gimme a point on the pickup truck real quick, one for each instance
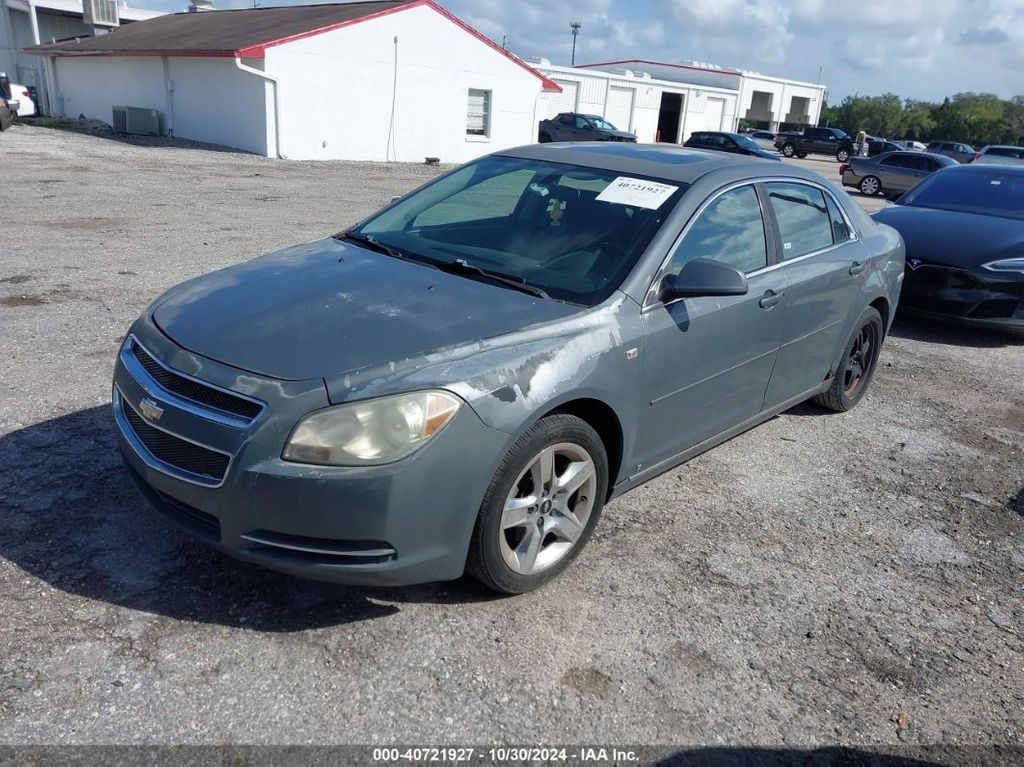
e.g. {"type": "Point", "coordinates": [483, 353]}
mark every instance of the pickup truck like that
{"type": "Point", "coordinates": [569, 126]}
{"type": "Point", "coordinates": [830, 141]}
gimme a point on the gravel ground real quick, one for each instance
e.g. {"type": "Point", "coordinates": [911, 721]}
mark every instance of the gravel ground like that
{"type": "Point", "coordinates": [824, 578]}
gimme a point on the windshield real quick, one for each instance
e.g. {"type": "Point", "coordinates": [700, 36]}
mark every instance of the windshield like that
{"type": "Point", "coordinates": [993, 193]}
{"type": "Point", "coordinates": [567, 230]}
{"type": "Point", "coordinates": [601, 124]}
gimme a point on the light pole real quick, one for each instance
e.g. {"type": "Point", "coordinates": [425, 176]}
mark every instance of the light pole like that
{"type": "Point", "coordinates": [575, 26]}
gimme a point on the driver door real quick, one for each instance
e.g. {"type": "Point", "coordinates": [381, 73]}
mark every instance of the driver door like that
{"type": "Point", "coordinates": [708, 360]}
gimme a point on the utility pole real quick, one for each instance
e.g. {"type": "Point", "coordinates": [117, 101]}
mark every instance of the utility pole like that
{"type": "Point", "coordinates": [575, 26]}
{"type": "Point", "coordinates": [504, 39]}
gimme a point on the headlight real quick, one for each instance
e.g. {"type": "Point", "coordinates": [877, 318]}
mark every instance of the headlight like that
{"type": "Point", "coordinates": [1006, 265]}
{"type": "Point", "coordinates": [370, 432]}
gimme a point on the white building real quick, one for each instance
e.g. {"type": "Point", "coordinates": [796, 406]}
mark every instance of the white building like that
{"type": "Point", "coordinates": [395, 80]}
{"type": "Point", "coordinates": [53, 20]}
{"type": "Point", "coordinates": [667, 102]}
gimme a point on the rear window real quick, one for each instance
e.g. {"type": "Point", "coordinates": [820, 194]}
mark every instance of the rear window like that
{"type": "Point", "coordinates": [991, 193]}
{"type": "Point", "coordinates": [1006, 151]}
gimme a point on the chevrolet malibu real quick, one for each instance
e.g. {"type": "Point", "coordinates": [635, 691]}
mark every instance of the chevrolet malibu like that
{"type": "Point", "coordinates": [462, 381]}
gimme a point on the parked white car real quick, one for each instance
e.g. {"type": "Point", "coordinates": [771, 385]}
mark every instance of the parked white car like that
{"type": "Point", "coordinates": [1001, 154]}
{"type": "Point", "coordinates": [21, 101]}
{"type": "Point", "coordinates": [915, 146]}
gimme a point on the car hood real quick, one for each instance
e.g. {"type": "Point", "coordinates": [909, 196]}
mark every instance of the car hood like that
{"type": "Point", "coordinates": [328, 307]}
{"type": "Point", "coordinates": [619, 133]}
{"type": "Point", "coordinates": [951, 238]}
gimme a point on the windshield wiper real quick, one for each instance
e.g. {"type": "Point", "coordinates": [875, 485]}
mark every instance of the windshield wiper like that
{"type": "Point", "coordinates": [461, 266]}
{"type": "Point", "coordinates": [371, 242]}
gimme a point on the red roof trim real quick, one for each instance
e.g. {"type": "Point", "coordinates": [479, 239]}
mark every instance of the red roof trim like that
{"type": "Point", "coordinates": [723, 71]}
{"type": "Point", "coordinates": [259, 51]}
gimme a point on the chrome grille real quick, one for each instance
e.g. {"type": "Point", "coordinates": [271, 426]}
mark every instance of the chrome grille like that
{"type": "Point", "coordinates": [202, 462]}
{"type": "Point", "coordinates": [193, 390]}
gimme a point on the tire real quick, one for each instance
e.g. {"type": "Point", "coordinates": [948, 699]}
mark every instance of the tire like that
{"type": "Point", "coordinates": [499, 539]}
{"type": "Point", "coordinates": [788, 150]}
{"type": "Point", "coordinates": [843, 155]}
{"type": "Point", "coordinates": [870, 186]}
{"type": "Point", "coordinates": [544, 138]}
{"type": "Point", "coordinates": [801, 155]}
{"type": "Point", "coordinates": [845, 390]}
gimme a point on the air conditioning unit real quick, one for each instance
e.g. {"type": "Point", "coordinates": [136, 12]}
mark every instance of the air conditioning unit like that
{"type": "Point", "coordinates": [137, 120]}
{"type": "Point", "coordinates": [101, 13]}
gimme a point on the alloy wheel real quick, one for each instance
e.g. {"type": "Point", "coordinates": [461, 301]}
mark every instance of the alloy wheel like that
{"type": "Point", "coordinates": [842, 155]}
{"type": "Point", "coordinates": [860, 359]}
{"type": "Point", "coordinates": [869, 186]}
{"type": "Point", "coordinates": [548, 507]}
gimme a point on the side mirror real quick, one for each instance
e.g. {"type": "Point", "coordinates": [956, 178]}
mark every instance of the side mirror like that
{"type": "Point", "coordinates": [703, 277]}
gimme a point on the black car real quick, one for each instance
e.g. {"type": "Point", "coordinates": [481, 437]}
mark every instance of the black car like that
{"type": "Point", "coordinates": [964, 231]}
{"type": "Point", "coordinates": [735, 143]}
{"type": "Point", "coordinates": [830, 141]}
{"type": "Point", "coordinates": [570, 126]}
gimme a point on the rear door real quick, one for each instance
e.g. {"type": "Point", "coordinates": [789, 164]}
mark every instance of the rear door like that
{"type": "Point", "coordinates": [708, 360]}
{"type": "Point", "coordinates": [900, 172]}
{"type": "Point", "coordinates": [824, 268]}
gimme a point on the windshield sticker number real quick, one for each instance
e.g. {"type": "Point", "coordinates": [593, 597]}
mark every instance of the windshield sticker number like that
{"type": "Point", "coordinates": [637, 192]}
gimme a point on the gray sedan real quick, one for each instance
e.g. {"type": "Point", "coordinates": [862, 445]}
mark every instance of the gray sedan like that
{"type": "Point", "coordinates": [465, 379]}
{"type": "Point", "coordinates": [891, 172]}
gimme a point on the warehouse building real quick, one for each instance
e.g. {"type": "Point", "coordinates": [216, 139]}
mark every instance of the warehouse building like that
{"type": "Point", "coordinates": [667, 102]}
{"type": "Point", "coordinates": [396, 80]}
{"type": "Point", "coordinates": [24, 23]}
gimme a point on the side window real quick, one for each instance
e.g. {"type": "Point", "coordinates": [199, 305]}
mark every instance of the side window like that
{"type": "Point", "coordinates": [897, 161]}
{"type": "Point", "coordinates": [840, 230]}
{"type": "Point", "coordinates": [565, 119]}
{"type": "Point", "coordinates": [803, 218]}
{"type": "Point", "coordinates": [729, 230]}
{"type": "Point", "coordinates": [581, 123]}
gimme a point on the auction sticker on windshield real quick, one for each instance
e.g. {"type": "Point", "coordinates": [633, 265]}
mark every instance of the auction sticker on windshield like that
{"type": "Point", "coordinates": [637, 192]}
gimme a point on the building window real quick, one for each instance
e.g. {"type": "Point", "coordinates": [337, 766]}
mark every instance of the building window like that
{"type": "Point", "coordinates": [478, 115]}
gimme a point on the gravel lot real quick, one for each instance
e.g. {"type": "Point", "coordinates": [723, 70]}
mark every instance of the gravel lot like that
{"type": "Point", "coordinates": [824, 578]}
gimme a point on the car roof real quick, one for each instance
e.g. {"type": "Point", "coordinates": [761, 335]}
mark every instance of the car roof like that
{"type": "Point", "coordinates": [669, 162]}
{"type": "Point", "coordinates": [1014, 170]}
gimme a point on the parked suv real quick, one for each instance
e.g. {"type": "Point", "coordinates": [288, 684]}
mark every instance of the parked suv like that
{"type": "Point", "coordinates": [570, 126]}
{"type": "Point", "coordinates": [830, 141]}
{"type": "Point", "coordinates": [958, 151]}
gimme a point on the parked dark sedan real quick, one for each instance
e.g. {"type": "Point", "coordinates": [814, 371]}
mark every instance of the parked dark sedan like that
{"type": "Point", "coordinates": [735, 143]}
{"type": "Point", "coordinates": [891, 172]}
{"type": "Point", "coordinates": [964, 230]}
{"type": "Point", "coordinates": [463, 380]}
{"type": "Point", "coordinates": [570, 126]}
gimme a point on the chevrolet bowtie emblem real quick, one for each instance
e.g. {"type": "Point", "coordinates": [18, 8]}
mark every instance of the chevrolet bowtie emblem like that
{"type": "Point", "coordinates": [150, 410]}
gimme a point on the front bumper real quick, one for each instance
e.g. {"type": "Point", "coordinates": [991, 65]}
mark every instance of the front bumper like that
{"type": "Point", "coordinates": [397, 524]}
{"type": "Point", "coordinates": [978, 296]}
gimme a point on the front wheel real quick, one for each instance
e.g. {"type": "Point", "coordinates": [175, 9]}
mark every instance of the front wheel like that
{"type": "Point", "coordinates": [853, 376]}
{"type": "Point", "coordinates": [801, 155]}
{"type": "Point", "coordinates": [541, 507]}
{"type": "Point", "coordinates": [843, 155]}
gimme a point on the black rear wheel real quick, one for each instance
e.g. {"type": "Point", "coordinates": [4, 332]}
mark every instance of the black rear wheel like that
{"type": "Point", "coordinates": [857, 367]}
{"type": "Point", "coordinates": [843, 155]}
{"type": "Point", "coordinates": [545, 138]}
{"type": "Point", "coordinates": [788, 150]}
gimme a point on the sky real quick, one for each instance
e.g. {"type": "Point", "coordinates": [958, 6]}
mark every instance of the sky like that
{"type": "Point", "coordinates": [921, 49]}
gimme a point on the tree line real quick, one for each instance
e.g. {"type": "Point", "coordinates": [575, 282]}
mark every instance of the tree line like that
{"type": "Point", "coordinates": [974, 118]}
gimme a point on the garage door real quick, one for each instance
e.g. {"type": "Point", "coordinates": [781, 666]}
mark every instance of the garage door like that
{"type": "Point", "coordinates": [564, 101]}
{"type": "Point", "coordinates": [620, 107]}
{"type": "Point", "coordinates": [709, 119]}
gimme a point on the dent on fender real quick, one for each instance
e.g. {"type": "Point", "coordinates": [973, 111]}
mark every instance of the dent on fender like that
{"type": "Point", "coordinates": [505, 379]}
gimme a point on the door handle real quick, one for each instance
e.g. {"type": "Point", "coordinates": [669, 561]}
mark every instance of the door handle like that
{"type": "Point", "coordinates": [770, 299]}
{"type": "Point", "coordinates": [856, 268]}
